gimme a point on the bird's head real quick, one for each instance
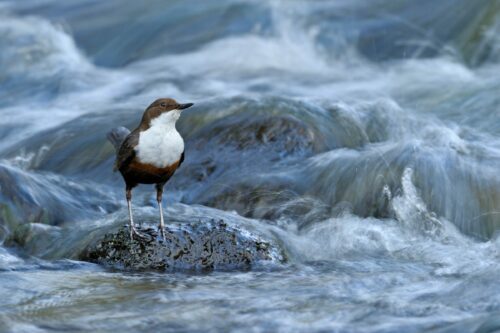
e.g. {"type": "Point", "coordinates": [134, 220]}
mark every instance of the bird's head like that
{"type": "Point", "coordinates": [163, 111]}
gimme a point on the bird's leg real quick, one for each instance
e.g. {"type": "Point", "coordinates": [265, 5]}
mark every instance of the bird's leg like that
{"type": "Point", "coordinates": [159, 193]}
{"type": "Point", "coordinates": [133, 231]}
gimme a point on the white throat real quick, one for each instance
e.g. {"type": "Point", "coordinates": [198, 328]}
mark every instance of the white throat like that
{"type": "Point", "coordinates": [161, 145]}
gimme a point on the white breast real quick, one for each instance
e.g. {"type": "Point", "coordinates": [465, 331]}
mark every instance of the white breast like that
{"type": "Point", "coordinates": [160, 145]}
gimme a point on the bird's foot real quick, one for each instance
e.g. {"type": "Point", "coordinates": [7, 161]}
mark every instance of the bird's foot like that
{"type": "Point", "coordinates": [161, 231]}
{"type": "Point", "coordinates": [137, 234]}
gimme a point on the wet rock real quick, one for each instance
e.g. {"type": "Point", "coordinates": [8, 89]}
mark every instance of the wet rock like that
{"type": "Point", "coordinates": [198, 238]}
{"type": "Point", "coordinates": [206, 246]}
{"type": "Point", "coordinates": [282, 134]}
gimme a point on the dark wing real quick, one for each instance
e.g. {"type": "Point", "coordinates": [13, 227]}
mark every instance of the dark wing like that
{"type": "Point", "coordinates": [126, 153]}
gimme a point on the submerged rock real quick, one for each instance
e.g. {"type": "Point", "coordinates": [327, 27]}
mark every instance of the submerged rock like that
{"type": "Point", "coordinates": [28, 196]}
{"type": "Point", "coordinates": [207, 246]}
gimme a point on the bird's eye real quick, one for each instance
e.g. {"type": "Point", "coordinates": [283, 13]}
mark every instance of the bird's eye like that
{"type": "Point", "coordinates": [163, 105]}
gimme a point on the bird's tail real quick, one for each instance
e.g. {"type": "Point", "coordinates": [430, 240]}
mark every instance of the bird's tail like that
{"type": "Point", "coordinates": [117, 135]}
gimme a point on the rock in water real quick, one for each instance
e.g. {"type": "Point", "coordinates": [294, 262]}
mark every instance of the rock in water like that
{"type": "Point", "coordinates": [206, 246]}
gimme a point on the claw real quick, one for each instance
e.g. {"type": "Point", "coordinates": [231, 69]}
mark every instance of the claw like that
{"type": "Point", "coordinates": [161, 230]}
{"type": "Point", "coordinates": [139, 235]}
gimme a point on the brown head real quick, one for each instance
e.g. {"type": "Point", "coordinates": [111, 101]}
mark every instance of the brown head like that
{"type": "Point", "coordinates": [165, 110]}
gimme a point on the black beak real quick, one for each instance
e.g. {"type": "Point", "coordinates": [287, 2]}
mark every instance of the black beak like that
{"type": "Point", "coordinates": [185, 106]}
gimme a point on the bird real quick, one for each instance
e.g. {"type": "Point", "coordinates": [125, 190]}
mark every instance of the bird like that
{"type": "Point", "coordinates": [151, 153]}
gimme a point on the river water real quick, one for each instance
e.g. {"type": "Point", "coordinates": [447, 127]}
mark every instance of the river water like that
{"type": "Point", "coordinates": [361, 137]}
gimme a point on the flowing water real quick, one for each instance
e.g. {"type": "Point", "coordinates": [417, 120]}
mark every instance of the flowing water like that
{"type": "Point", "coordinates": [362, 137]}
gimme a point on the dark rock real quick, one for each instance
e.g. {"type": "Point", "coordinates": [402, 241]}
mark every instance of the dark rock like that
{"type": "Point", "coordinates": [206, 246]}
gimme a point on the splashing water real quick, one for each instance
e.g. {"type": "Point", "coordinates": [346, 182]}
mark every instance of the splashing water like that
{"type": "Point", "coordinates": [360, 138]}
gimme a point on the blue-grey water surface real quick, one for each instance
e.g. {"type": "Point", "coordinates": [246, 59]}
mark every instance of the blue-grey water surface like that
{"type": "Point", "coordinates": [362, 137]}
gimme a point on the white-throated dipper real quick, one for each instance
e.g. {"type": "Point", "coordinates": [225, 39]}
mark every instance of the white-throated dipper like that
{"type": "Point", "coordinates": [151, 153]}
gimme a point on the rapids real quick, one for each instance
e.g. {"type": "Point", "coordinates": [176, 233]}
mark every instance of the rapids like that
{"type": "Point", "coordinates": [362, 138]}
